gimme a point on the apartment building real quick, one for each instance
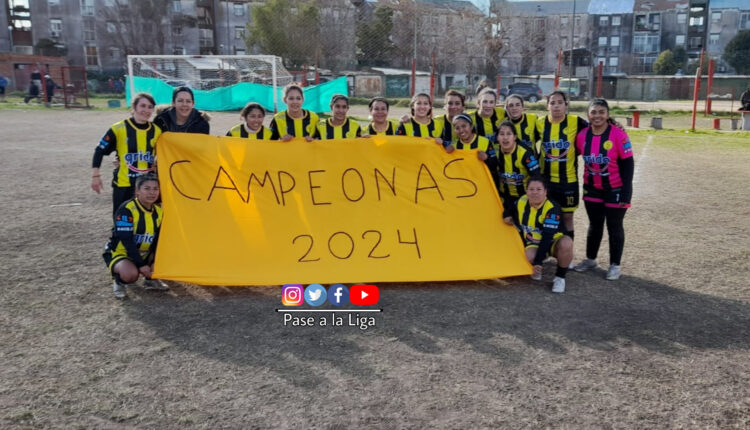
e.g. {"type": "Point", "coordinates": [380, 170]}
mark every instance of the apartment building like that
{"type": "Point", "coordinates": [612, 35]}
{"type": "Point", "coordinates": [726, 19]}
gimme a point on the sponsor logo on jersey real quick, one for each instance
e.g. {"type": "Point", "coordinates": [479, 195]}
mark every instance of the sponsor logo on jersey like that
{"type": "Point", "coordinates": [512, 178]}
{"type": "Point", "coordinates": [596, 159]}
{"type": "Point", "coordinates": [562, 145]}
{"type": "Point", "coordinates": [133, 158]}
{"type": "Point", "coordinates": [144, 238]}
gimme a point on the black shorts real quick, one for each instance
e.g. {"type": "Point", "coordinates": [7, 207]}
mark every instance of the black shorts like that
{"type": "Point", "coordinates": [611, 198]}
{"type": "Point", "coordinates": [111, 260]}
{"type": "Point", "coordinates": [565, 195]}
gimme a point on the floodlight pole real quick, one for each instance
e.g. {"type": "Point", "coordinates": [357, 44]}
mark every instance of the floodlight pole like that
{"type": "Point", "coordinates": [572, 35]}
{"type": "Point", "coordinates": [696, 90]}
{"type": "Point", "coordinates": [132, 78]}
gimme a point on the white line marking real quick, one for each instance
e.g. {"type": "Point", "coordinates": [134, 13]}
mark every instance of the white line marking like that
{"type": "Point", "coordinates": [642, 157]}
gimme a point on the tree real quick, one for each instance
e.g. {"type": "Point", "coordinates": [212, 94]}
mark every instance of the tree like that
{"type": "Point", "coordinates": [665, 64]}
{"type": "Point", "coordinates": [288, 30]}
{"type": "Point", "coordinates": [737, 52]}
{"type": "Point", "coordinates": [374, 45]}
{"type": "Point", "coordinates": [50, 48]}
{"type": "Point", "coordinates": [680, 57]}
{"type": "Point", "coordinates": [137, 27]}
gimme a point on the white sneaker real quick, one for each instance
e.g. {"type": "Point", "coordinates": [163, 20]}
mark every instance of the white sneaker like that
{"type": "Point", "coordinates": [558, 285]}
{"type": "Point", "coordinates": [585, 265]}
{"type": "Point", "coordinates": [535, 277]}
{"type": "Point", "coordinates": [613, 273]}
{"type": "Point", "coordinates": [154, 285]}
{"type": "Point", "coordinates": [571, 266]}
{"type": "Point", "coordinates": [119, 290]}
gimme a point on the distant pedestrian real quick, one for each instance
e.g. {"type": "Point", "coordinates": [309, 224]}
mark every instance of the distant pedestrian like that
{"type": "Point", "coordinates": [745, 99]}
{"type": "Point", "coordinates": [3, 84]}
{"type": "Point", "coordinates": [50, 87]}
{"type": "Point", "coordinates": [33, 92]}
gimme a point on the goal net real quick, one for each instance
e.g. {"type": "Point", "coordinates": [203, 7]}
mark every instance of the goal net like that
{"type": "Point", "coordinates": [220, 82]}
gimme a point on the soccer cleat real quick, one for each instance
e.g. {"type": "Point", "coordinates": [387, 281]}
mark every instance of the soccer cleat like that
{"type": "Point", "coordinates": [558, 285]}
{"type": "Point", "coordinates": [154, 285]}
{"type": "Point", "coordinates": [613, 273]}
{"type": "Point", "coordinates": [585, 265]}
{"type": "Point", "coordinates": [119, 290]}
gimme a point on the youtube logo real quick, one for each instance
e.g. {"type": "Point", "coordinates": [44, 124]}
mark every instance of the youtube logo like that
{"type": "Point", "coordinates": [364, 295]}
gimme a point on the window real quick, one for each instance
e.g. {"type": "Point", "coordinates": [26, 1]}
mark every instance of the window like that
{"type": "Point", "coordinates": [614, 41]}
{"type": "Point", "coordinates": [239, 9]}
{"type": "Point", "coordinates": [53, 2]}
{"type": "Point", "coordinates": [177, 30]}
{"type": "Point", "coordinates": [114, 53]}
{"type": "Point", "coordinates": [55, 27]}
{"type": "Point", "coordinates": [745, 21]}
{"type": "Point", "coordinates": [178, 50]}
{"type": "Point", "coordinates": [92, 58]}
{"type": "Point", "coordinates": [679, 39]}
{"type": "Point", "coordinates": [645, 43]}
{"type": "Point", "coordinates": [539, 25]}
{"type": "Point", "coordinates": [89, 30]}
{"type": "Point", "coordinates": [239, 52]}
{"type": "Point", "coordinates": [564, 42]}
{"type": "Point", "coordinates": [205, 37]}
{"type": "Point", "coordinates": [603, 21]}
{"type": "Point", "coordinates": [654, 21]}
{"type": "Point", "coordinates": [564, 20]}
{"type": "Point", "coordinates": [641, 23]}
{"type": "Point", "coordinates": [177, 6]}
{"type": "Point", "coordinates": [713, 39]}
{"type": "Point", "coordinates": [111, 27]}
{"type": "Point", "coordinates": [715, 16]}
{"type": "Point", "coordinates": [681, 18]}
{"type": "Point", "coordinates": [696, 21]}
{"type": "Point", "coordinates": [239, 32]}
{"type": "Point", "coordinates": [614, 61]}
{"type": "Point", "coordinates": [615, 20]}
{"type": "Point", "coordinates": [603, 41]}
{"type": "Point", "coordinates": [87, 7]}
{"type": "Point", "coordinates": [578, 21]}
{"type": "Point", "coordinates": [695, 42]}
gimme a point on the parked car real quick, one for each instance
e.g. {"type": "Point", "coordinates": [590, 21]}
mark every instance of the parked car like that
{"type": "Point", "coordinates": [528, 91]}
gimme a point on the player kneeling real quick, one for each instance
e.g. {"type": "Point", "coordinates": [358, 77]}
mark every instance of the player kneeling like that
{"type": "Point", "coordinates": [131, 249]}
{"type": "Point", "coordinates": [540, 222]}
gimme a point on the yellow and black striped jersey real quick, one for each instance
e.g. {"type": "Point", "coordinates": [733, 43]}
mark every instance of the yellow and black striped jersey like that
{"type": "Point", "coordinates": [432, 129]}
{"type": "Point", "coordinates": [389, 131]}
{"type": "Point", "coordinates": [241, 130]}
{"type": "Point", "coordinates": [488, 126]}
{"type": "Point", "coordinates": [449, 133]}
{"type": "Point", "coordinates": [526, 132]}
{"type": "Point", "coordinates": [515, 169]}
{"type": "Point", "coordinates": [135, 145]}
{"type": "Point", "coordinates": [136, 231]}
{"type": "Point", "coordinates": [556, 150]}
{"type": "Point", "coordinates": [349, 129]}
{"type": "Point", "coordinates": [282, 124]}
{"type": "Point", "coordinates": [479, 142]}
{"type": "Point", "coordinates": [540, 228]}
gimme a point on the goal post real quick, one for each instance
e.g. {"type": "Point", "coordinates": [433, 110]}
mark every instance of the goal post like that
{"type": "Point", "coordinates": [220, 82]}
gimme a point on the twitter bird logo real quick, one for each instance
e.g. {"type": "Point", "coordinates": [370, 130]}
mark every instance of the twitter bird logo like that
{"type": "Point", "coordinates": [315, 295]}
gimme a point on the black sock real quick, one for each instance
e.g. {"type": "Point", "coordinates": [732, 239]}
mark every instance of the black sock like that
{"type": "Point", "coordinates": [572, 234]}
{"type": "Point", "coordinates": [561, 271]}
{"type": "Point", "coordinates": [118, 279]}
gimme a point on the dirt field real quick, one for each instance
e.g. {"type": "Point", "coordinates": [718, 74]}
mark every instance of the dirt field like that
{"type": "Point", "coordinates": [667, 346]}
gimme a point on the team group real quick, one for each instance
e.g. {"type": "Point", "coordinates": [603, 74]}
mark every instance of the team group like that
{"type": "Point", "coordinates": [533, 161]}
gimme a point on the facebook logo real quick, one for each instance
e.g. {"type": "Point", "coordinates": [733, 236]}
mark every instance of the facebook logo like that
{"type": "Point", "coordinates": [338, 294]}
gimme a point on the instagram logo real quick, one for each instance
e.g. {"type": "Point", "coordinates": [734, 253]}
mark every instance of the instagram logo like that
{"type": "Point", "coordinates": [292, 295]}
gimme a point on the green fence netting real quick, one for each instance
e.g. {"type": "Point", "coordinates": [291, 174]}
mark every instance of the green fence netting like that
{"type": "Point", "coordinates": [235, 97]}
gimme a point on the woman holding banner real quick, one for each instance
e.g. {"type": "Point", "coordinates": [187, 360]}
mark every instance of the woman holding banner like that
{"type": "Point", "coordinates": [295, 121]}
{"type": "Point", "coordinates": [467, 139]}
{"type": "Point", "coordinates": [539, 220]}
{"type": "Point", "coordinates": [252, 126]}
{"type": "Point", "coordinates": [339, 125]}
{"type": "Point", "coordinates": [380, 125]}
{"type": "Point", "coordinates": [421, 123]}
{"type": "Point", "coordinates": [182, 116]}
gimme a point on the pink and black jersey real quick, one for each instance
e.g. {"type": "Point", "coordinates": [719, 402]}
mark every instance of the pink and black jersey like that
{"type": "Point", "coordinates": [602, 155]}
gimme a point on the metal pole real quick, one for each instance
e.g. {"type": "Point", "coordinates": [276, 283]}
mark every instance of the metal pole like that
{"type": "Point", "coordinates": [599, 79]}
{"type": "Point", "coordinates": [131, 78]}
{"type": "Point", "coordinates": [696, 89]}
{"type": "Point", "coordinates": [275, 95]}
{"type": "Point", "coordinates": [572, 34]}
{"type": "Point", "coordinates": [414, 59]}
{"type": "Point", "coordinates": [709, 85]}
{"type": "Point", "coordinates": [559, 69]}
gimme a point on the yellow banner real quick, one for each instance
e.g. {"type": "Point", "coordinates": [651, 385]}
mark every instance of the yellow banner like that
{"type": "Point", "coordinates": [381, 209]}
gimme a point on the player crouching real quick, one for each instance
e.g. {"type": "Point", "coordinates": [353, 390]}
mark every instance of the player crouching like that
{"type": "Point", "coordinates": [131, 249]}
